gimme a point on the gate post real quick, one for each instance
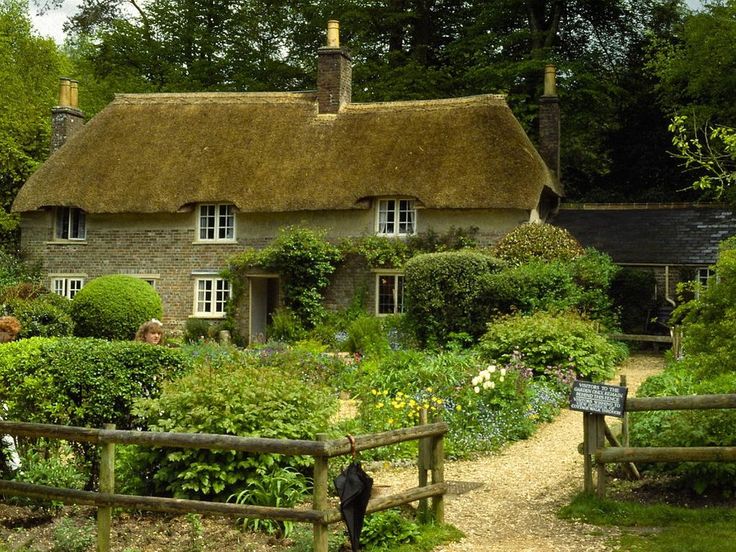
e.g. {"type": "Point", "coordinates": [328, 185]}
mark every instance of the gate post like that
{"type": "Point", "coordinates": [320, 528]}
{"type": "Point", "coordinates": [107, 486]}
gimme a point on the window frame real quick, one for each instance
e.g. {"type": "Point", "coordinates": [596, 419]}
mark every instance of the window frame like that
{"type": "Point", "coordinates": [397, 292]}
{"type": "Point", "coordinates": [65, 289]}
{"type": "Point", "coordinates": [70, 224]}
{"type": "Point", "coordinates": [213, 300]}
{"type": "Point", "coordinates": [216, 226]}
{"type": "Point", "coordinates": [403, 212]}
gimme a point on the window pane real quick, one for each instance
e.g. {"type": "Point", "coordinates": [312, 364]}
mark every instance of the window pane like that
{"type": "Point", "coordinates": [58, 285]}
{"type": "Point", "coordinates": [222, 295]}
{"type": "Point", "coordinates": [74, 287]}
{"type": "Point", "coordinates": [400, 293]}
{"type": "Point", "coordinates": [76, 224]}
{"type": "Point", "coordinates": [226, 223]}
{"type": "Point", "coordinates": [386, 216]}
{"type": "Point", "coordinates": [207, 222]}
{"type": "Point", "coordinates": [386, 304]}
{"type": "Point", "coordinates": [204, 296]}
{"type": "Point", "coordinates": [62, 223]}
{"type": "Point", "coordinates": [407, 216]}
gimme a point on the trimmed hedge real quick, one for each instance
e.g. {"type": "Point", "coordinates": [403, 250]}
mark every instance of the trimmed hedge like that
{"type": "Point", "coordinates": [81, 382]}
{"type": "Point", "coordinates": [114, 306]}
{"type": "Point", "coordinates": [536, 241]}
{"type": "Point", "coordinates": [442, 294]}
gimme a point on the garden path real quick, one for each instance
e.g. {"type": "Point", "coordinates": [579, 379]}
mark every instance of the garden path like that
{"type": "Point", "coordinates": [523, 487]}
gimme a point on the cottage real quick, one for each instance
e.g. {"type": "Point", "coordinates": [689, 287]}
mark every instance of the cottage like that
{"type": "Point", "coordinates": [678, 242]}
{"type": "Point", "coordinates": [167, 186]}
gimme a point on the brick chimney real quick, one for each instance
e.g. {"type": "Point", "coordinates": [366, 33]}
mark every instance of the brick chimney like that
{"type": "Point", "coordinates": [66, 118]}
{"type": "Point", "coordinates": [334, 73]}
{"type": "Point", "coordinates": [549, 122]}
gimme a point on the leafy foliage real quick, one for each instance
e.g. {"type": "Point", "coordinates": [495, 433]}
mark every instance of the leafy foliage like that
{"type": "Point", "coordinates": [388, 528]}
{"type": "Point", "coordinates": [81, 382]}
{"type": "Point", "coordinates": [553, 340]}
{"type": "Point", "coordinates": [442, 294]}
{"type": "Point", "coordinates": [544, 242]}
{"type": "Point", "coordinates": [304, 259]}
{"type": "Point", "coordinates": [46, 315]}
{"type": "Point", "coordinates": [229, 394]}
{"type": "Point", "coordinates": [114, 306]}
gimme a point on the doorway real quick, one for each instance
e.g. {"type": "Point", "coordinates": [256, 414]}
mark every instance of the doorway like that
{"type": "Point", "coordinates": [264, 299]}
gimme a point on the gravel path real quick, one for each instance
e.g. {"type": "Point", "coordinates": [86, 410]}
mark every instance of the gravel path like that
{"type": "Point", "coordinates": [523, 486]}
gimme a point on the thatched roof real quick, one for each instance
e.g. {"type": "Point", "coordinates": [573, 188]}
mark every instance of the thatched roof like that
{"type": "Point", "coordinates": [273, 152]}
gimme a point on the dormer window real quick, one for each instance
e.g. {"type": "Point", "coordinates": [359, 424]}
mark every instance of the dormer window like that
{"type": "Point", "coordinates": [216, 222]}
{"type": "Point", "coordinates": [396, 217]}
{"type": "Point", "coordinates": [71, 224]}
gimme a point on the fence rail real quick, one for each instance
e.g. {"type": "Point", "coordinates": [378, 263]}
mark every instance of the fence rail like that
{"type": "Point", "coordinates": [595, 432]}
{"type": "Point", "coordinates": [431, 458]}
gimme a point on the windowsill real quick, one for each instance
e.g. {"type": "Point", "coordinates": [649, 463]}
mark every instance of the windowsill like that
{"type": "Point", "coordinates": [213, 242]}
{"type": "Point", "coordinates": [208, 316]}
{"type": "Point", "coordinates": [66, 242]}
{"type": "Point", "coordinates": [378, 234]}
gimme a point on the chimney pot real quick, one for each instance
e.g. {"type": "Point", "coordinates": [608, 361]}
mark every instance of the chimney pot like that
{"type": "Point", "coordinates": [550, 80]}
{"type": "Point", "coordinates": [333, 34]}
{"type": "Point", "coordinates": [65, 86]}
{"type": "Point", "coordinates": [74, 94]}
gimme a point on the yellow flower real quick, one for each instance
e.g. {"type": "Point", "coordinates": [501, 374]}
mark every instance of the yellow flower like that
{"type": "Point", "coordinates": [390, 421]}
{"type": "Point", "coordinates": [429, 390]}
{"type": "Point", "coordinates": [412, 402]}
{"type": "Point", "coordinates": [379, 405]}
{"type": "Point", "coordinates": [374, 392]}
{"type": "Point", "coordinates": [458, 407]}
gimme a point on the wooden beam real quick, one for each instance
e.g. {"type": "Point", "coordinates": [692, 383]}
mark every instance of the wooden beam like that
{"type": "Point", "coordinates": [666, 454]}
{"type": "Point", "coordinates": [684, 402]}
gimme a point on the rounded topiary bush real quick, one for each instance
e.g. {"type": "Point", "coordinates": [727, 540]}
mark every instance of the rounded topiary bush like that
{"type": "Point", "coordinates": [442, 292]}
{"type": "Point", "coordinates": [114, 306]}
{"type": "Point", "coordinates": [537, 241]}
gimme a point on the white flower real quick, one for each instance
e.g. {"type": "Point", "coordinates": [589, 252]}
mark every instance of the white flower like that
{"type": "Point", "coordinates": [475, 380]}
{"type": "Point", "coordinates": [476, 389]}
{"type": "Point", "coordinates": [484, 374]}
{"type": "Point", "coordinates": [501, 378]}
{"type": "Point", "coordinates": [503, 371]}
{"type": "Point", "coordinates": [492, 368]}
{"type": "Point", "coordinates": [492, 384]}
{"type": "Point", "coordinates": [487, 385]}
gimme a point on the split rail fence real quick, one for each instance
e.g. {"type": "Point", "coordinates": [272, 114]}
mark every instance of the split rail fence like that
{"type": "Point", "coordinates": [596, 432]}
{"type": "Point", "coordinates": [431, 459]}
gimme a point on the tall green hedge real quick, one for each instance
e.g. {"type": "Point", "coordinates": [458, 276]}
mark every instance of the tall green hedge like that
{"type": "Point", "coordinates": [81, 382]}
{"type": "Point", "coordinates": [442, 294]}
{"type": "Point", "coordinates": [114, 306]}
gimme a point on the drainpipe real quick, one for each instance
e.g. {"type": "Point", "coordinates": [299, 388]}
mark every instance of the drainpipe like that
{"type": "Point", "coordinates": [667, 286]}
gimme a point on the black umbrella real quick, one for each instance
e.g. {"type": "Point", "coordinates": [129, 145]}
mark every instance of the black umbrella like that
{"type": "Point", "coordinates": [354, 489]}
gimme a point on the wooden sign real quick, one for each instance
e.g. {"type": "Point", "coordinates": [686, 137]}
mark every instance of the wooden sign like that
{"type": "Point", "coordinates": [598, 398]}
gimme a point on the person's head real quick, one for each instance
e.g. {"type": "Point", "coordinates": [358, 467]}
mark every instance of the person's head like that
{"type": "Point", "coordinates": [150, 332]}
{"type": "Point", "coordinates": [9, 328]}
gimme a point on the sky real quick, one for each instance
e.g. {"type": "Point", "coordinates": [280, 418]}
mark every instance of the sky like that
{"type": "Point", "coordinates": [51, 22]}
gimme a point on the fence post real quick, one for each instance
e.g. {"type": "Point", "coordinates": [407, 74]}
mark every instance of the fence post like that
{"type": "Point", "coordinates": [600, 442]}
{"type": "Point", "coordinates": [320, 528]}
{"type": "Point", "coordinates": [423, 464]}
{"type": "Point", "coordinates": [625, 419]}
{"type": "Point", "coordinates": [107, 486]}
{"type": "Point", "coordinates": [587, 463]}
{"type": "Point", "coordinates": [438, 476]}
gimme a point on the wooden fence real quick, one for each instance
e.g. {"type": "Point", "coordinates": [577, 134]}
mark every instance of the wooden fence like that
{"type": "Point", "coordinates": [431, 458]}
{"type": "Point", "coordinates": [596, 432]}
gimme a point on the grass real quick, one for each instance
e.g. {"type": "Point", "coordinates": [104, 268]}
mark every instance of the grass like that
{"type": "Point", "coordinates": [658, 527]}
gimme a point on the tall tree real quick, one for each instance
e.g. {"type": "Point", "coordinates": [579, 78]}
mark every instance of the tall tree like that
{"type": "Point", "coordinates": [30, 67]}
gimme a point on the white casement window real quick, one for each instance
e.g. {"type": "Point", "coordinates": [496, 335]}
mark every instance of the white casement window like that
{"type": "Point", "coordinates": [67, 287]}
{"type": "Point", "coordinates": [216, 222]}
{"type": "Point", "coordinates": [396, 217]}
{"type": "Point", "coordinates": [389, 293]}
{"type": "Point", "coordinates": [71, 224]}
{"type": "Point", "coordinates": [210, 297]}
{"type": "Point", "coordinates": [703, 277]}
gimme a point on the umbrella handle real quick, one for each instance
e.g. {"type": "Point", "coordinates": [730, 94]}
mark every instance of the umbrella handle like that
{"type": "Point", "coordinates": [352, 445]}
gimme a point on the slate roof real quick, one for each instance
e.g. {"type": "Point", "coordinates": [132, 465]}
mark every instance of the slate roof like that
{"type": "Point", "coordinates": [651, 234]}
{"type": "Point", "coordinates": [273, 152]}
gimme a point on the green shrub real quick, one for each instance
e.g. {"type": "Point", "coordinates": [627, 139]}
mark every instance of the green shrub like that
{"type": "Point", "coordinates": [545, 242]}
{"type": "Point", "coordinates": [442, 294]}
{"type": "Point", "coordinates": [230, 395]}
{"type": "Point", "coordinates": [689, 428]}
{"type": "Point", "coordinates": [367, 336]}
{"type": "Point", "coordinates": [43, 316]}
{"type": "Point", "coordinates": [69, 536]}
{"type": "Point", "coordinates": [387, 529]}
{"type": "Point", "coordinates": [14, 271]}
{"type": "Point", "coordinates": [633, 294]}
{"type": "Point", "coordinates": [114, 306]}
{"type": "Point", "coordinates": [564, 340]}
{"type": "Point", "coordinates": [285, 326]}
{"type": "Point", "coordinates": [81, 382]}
